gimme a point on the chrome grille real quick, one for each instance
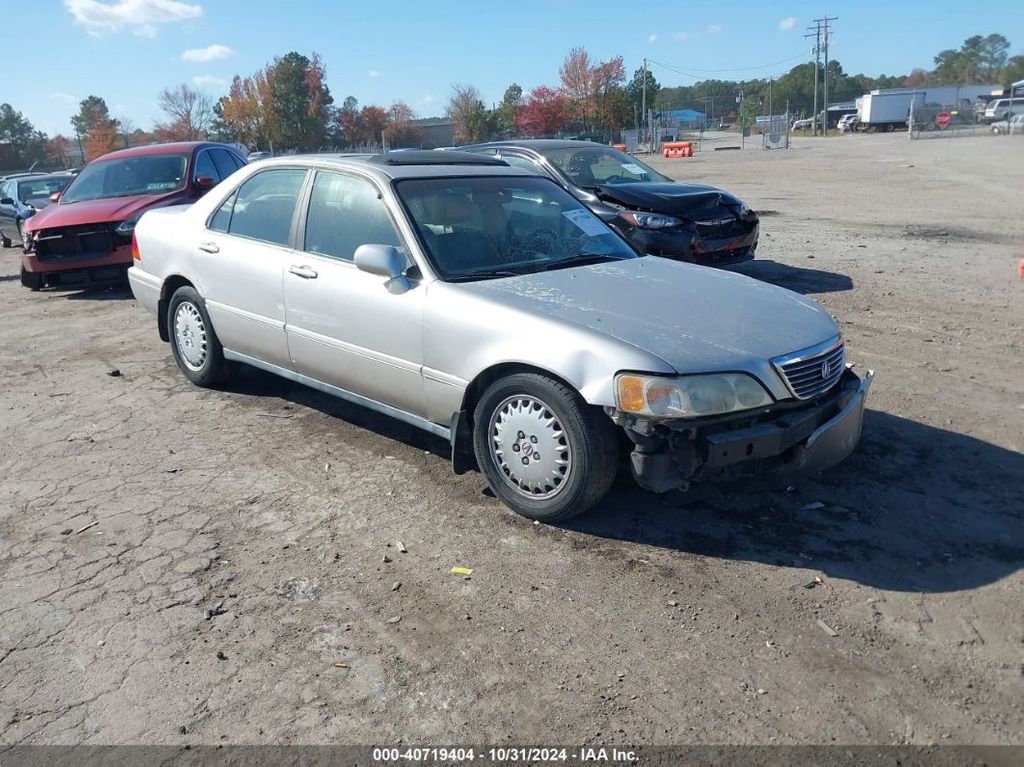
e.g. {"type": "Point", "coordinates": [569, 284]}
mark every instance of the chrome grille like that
{"type": "Point", "coordinates": [813, 371]}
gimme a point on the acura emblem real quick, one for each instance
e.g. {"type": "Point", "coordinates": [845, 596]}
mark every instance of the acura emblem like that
{"type": "Point", "coordinates": [824, 369]}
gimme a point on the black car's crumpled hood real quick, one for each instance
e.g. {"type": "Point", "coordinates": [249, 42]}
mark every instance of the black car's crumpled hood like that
{"type": "Point", "coordinates": [672, 198]}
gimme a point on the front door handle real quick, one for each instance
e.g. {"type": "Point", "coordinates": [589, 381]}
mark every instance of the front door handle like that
{"type": "Point", "coordinates": [305, 272]}
{"type": "Point", "coordinates": [209, 247]}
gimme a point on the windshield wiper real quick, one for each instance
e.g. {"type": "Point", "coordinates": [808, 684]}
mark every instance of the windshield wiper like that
{"type": "Point", "coordinates": [481, 275]}
{"type": "Point", "coordinates": [582, 259]}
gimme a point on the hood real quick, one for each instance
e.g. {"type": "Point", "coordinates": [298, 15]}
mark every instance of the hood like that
{"type": "Point", "coordinates": [672, 198]}
{"type": "Point", "coordinates": [98, 211]}
{"type": "Point", "coordinates": [695, 318]}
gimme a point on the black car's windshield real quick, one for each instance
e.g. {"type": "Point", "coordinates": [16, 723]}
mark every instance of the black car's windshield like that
{"type": "Point", "coordinates": [41, 188]}
{"type": "Point", "coordinates": [486, 227]}
{"type": "Point", "coordinates": [126, 176]}
{"type": "Point", "coordinates": [592, 166]}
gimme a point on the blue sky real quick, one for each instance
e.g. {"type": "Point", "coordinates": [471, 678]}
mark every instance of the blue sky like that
{"type": "Point", "coordinates": [127, 50]}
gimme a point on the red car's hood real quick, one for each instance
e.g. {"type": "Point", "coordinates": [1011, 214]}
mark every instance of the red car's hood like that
{"type": "Point", "coordinates": [98, 211]}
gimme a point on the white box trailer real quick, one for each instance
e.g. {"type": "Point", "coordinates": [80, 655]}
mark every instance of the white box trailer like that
{"type": "Point", "coordinates": [887, 110]}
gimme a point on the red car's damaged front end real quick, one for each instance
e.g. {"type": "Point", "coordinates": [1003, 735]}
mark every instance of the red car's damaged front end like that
{"type": "Point", "coordinates": [85, 239]}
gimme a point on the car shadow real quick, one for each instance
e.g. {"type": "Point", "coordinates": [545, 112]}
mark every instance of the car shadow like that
{"type": "Point", "coordinates": [915, 508]}
{"type": "Point", "coordinates": [795, 278]}
{"type": "Point", "coordinates": [99, 293]}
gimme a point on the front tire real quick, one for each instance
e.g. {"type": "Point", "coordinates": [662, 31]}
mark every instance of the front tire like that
{"type": "Point", "coordinates": [545, 453]}
{"type": "Point", "coordinates": [194, 343]}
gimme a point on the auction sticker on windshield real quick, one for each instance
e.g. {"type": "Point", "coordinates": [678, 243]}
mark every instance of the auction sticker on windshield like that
{"type": "Point", "coordinates": [633, 168]}
{"type": "Point", "coordinates": [586, 221]}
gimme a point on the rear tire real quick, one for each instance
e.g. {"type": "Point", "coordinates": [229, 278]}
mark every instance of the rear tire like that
{"type": "Point", "coordinates": [31, 280]}
{"type": "Point", "coordinates": [194, 344]}
{"type": "Point", "coordinates": [5, 241]}
{"type": "Point", "coordinates": [545, 453]}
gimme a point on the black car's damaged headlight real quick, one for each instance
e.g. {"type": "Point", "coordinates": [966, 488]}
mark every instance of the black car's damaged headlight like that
{"type": "Point", "coordinates": [649, 220]}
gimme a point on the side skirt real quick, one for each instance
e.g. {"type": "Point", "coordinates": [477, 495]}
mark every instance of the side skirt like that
{"type": "Point", "coordinates": [356, 399]}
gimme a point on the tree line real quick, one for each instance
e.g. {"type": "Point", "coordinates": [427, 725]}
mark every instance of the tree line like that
{"type": "Point", "coordinates": [287, 106]}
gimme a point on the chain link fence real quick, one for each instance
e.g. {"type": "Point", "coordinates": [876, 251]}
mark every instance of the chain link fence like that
{"type": "Point", "coordinates": [956, 121]}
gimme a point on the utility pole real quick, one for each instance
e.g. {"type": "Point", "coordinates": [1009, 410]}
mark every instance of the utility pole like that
{"type": "Point", "coordinates": [816, 34]}
{"type": "Point", "coordinates": [823, 29]}
{"type": "Point", "coordinates": [643, 104]}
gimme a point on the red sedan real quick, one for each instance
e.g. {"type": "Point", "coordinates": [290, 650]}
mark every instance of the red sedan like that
{"type": "Point", "coordinates": [85, 239]}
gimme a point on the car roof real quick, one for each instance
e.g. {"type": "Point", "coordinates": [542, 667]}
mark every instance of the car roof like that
{"type": "Point", "coordinates": [177, 147]}
{"type": "Point", "coordinates": [537, 144]}
{"type": "Point", "coordinates": [399, 165]}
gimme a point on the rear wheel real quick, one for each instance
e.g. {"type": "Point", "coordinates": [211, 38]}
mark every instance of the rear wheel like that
{"type": "Point", "coordinates": [545, 453]}
{"type": "Point", "coordinates": [194, 343]}
{"type": "Point", "coordinates": [5, 241]}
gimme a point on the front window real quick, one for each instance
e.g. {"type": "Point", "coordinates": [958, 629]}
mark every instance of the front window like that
{"type": "Point", "coordinates": [485, 227]}
{"type": "Point", "coordinates": [40, 188]}
{"type": "Point", "coordinates": [589, 167]}
{"type": "Point", "coordinates": [128, 176]}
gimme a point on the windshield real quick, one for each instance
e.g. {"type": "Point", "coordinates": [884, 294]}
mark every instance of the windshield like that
{"type": "Point", "coordinates": [590, 167]}
{"type": "Point", "coordinates": [147, 174]}
{"type": "Point", "coordinates": [41, 188]}
{"type": "Point", "coordinates": [485, 227]}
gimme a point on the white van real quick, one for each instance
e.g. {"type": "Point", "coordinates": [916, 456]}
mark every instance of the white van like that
{"type": "Point", "coordinates": [1001, 109]}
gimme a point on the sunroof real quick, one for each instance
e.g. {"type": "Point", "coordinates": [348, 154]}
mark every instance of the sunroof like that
{"type": "Point", "coordinates": [429, 157]}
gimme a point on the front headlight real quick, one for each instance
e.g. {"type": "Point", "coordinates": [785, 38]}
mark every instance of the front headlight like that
{"type": "Point", "coordinates": [688, 396]}
{"type": "Point", "coordinates": [648, 220]}
{"type": "Point", "coordinates": [126, 227]}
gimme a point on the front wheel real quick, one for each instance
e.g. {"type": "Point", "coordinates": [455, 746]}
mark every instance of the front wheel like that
{"type": "Point", "coordinates": [194, 343]}
{"type": "Point", "coordinates": [545, 453]}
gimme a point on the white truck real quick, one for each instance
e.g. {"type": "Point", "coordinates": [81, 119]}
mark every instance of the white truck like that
{"type": "Point", "coordinates": [887, 110]}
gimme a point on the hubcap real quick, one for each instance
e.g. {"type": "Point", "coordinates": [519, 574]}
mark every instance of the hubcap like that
{"type": "Point", "coordinates": [190, 335]}
{"type": "Point", "coordinates": [529, 447]}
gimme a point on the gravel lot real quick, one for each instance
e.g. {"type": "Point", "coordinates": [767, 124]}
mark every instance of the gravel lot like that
{"type": "Point", "coordinates": [241, 580]}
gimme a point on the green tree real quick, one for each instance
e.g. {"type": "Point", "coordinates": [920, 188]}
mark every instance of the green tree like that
{"type": "Point", "coordinates": [507, 113]}
{"type": "Point", "coordinates": [26, 143]}
{"type": "Point", "coordinates": [95, 127]}
{"type": "Point", "coordinates": [300, 101]}
{"type": "Point", "coordinates": [634, 92]}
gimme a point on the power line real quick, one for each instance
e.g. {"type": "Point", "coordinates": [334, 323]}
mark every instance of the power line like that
{"type": "Point", "coordinates": [691, 70]}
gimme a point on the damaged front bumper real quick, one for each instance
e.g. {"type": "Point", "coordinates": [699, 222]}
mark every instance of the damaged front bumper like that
{"type": "Point", "coordinates": [805, 437]}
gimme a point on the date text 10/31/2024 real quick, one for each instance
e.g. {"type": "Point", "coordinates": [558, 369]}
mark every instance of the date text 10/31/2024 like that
{"type": "Point", "coordinates": [504, 754]}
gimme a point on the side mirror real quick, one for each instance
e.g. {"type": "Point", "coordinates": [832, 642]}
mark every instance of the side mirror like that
{"type": "Point", "coordinates": [205, 183]}
{"type": "Point", "coordinates": [55, 197]}
{"type": "Point", "coordinates": [384, 261]}
{"type": "Point", "coordinates": [6, 201]}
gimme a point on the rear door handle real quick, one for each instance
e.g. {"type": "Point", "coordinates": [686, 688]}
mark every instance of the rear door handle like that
{"type": "Point", "coordinates": [305, 272]}
{"type": "Point", "coordinates": [209, 247]}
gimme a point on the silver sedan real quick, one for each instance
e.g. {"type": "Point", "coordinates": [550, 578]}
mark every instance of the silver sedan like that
{"type": "Point", "coordinates": [487, 306]}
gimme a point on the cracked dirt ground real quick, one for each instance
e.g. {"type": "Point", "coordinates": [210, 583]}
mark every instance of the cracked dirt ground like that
{"type": "Point", "coordinates": [233, 588]}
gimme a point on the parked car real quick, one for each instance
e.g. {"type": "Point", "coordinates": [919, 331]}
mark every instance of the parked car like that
{"type": "Point", "coordinates": [1014, 126]}
{"type": "Point", "coordinates": [1003, 109]}
{"type": "Point", "coordinates": [85, 239]}
{"type": "Point", "coordinates": [486, 305]}
{"type": "Point", "coordinates": [806, 123]}
{"type": "Point", "coordinates": [257, 156]}
{"type": "Point", "coordinates": [847, 123]}
{"type": "Point", "coordinates": [659, 216]}
{"type": "Point", "coordinates": [21, 197]}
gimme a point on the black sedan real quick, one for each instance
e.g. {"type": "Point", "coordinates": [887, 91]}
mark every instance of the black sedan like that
{"type": "Point", "coordinates": [21, 196]}
{"type": "Point", "coordinates": [659, 216]}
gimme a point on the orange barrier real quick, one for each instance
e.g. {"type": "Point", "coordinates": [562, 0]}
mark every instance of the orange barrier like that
{"type": "Point", "coordinates": [1021, 268]}
{"type": "Point", "coordinates": [620, 147]}
{"type": "Point", "coordinates": [672, 149]}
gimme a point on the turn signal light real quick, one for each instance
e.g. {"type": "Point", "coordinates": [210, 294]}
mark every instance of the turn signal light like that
{"type": "Point", "coordinates": [631, 393]}
{"type": "Point", "coordinates": [136, 255]}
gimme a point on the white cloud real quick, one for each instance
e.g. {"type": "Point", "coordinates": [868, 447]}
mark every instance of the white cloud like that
{"type": "Point", "coordinates": [67, 98]}
{"type": "Point", "coordinates": [374, 73]}
{"type": "Point", "coordinates": [140, 16]}
{"type": "Point", "coordinates": [204, 81]}
{"type": "Point", "coordinates": [681, 36]}
{"type": "Point", "coordinates": [652, 38]}
{"type": "Point", "coordinates": [209, 53]}
{"type": "Point", "coordinates": [787, 23]}
{"type": "Point", "coordinates": [714, 29]}
{"type": "Point", "coordinates": [427, 100]}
